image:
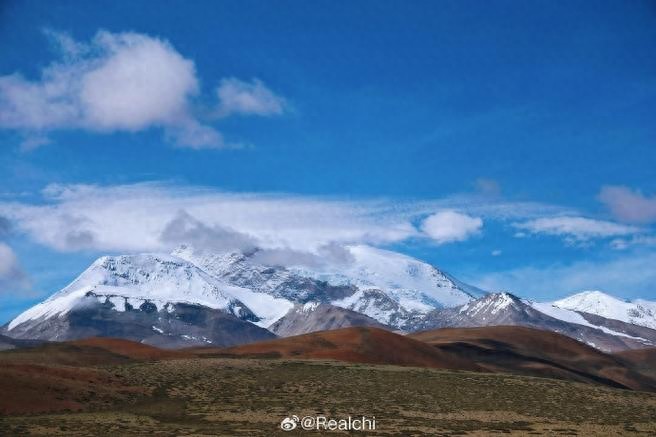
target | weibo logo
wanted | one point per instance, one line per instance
(289, 423)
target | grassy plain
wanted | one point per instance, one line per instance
(239, 396)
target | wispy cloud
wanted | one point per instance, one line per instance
(636, 240)
(159, 216)
(156, 216)
(135, 217)
(576, 228)
(248, 98)
(628, 205)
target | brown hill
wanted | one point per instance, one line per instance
(533, 352)
(506, 349)
(37, 388)
(131, 349)
(354, 345)
(88, 352)
(58, 376)
(641, 360)
(66, 376)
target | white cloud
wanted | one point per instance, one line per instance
(194, 135)
(328, 254)
(116, 82)
(12, 277)
(449, 226)
(576, 228)
(637, 240)
(628, 205)
(127, 82)
(157, 216)
(630, 275)
(140, 81)
(239, 97)
(147, 217)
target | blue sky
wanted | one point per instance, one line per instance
(509, 143)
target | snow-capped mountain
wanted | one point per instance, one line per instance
(497, 309)
(136, 288)
(158, 279)
(637, 312)
(152, 297)
(415, 285)
(196, 297)
(389, 287)
(494, 309)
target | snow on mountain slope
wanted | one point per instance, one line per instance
(491, 305)
(266, 307)
(159, 279)
(415, 285)
(390, 287)
(638, 312)
(194, 297)
(498, 309)
(236, 268)
(571, 316)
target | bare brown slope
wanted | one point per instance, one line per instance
(88, 352)
(355, 345)
(36, 388)
(639, 356)
(130, 349)
(642, 360)
(507, 349)
(529, 351)
(65, 376)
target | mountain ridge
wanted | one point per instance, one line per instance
(193, 297)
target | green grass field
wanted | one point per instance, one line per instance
(231, 397)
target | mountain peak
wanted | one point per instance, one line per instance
(589, 300)
(491, 304)
(639, 312)
(593, 294)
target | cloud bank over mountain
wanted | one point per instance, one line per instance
(287, 229)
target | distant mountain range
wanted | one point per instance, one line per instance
(505, 309)
(194, 297)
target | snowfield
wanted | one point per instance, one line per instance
(638, 312)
